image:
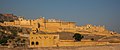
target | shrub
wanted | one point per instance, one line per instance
(78, 37)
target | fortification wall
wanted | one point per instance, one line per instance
(105, 47)
(90, 43)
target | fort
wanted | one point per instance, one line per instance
(51, 26)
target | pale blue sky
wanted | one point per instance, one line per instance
(96, 12)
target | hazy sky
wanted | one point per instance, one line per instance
(96, 12)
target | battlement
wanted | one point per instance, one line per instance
(53, 25)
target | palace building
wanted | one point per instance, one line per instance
(52, 40)
(50, 25)
(43, 40)
(53, 25)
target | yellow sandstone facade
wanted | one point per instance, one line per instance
(91, 28)
(44, 40)
(50, 25)
(53, 25)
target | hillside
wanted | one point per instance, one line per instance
(10, 35)
(7, 17)
(88, 37)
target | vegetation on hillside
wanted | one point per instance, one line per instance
(7, 18)
(9, 34)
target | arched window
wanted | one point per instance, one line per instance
(32, 43)
(38, 25)
(37, 43)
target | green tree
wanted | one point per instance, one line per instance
(4, 40)
(78, 37)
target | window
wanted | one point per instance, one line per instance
(32, 43)
(37, 43)
(38, 25)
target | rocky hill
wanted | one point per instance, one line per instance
(10, 35)
(7, 17)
